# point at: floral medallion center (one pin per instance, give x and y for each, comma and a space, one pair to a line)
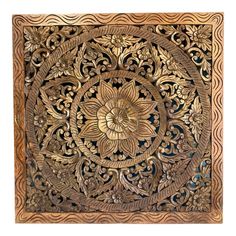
122, 119
118, 119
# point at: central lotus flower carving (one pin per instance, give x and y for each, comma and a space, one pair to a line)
118, 119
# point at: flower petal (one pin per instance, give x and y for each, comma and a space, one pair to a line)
105, 92
111, 104
116, 50
105, 40
145, 130
102, 123
107, 147
90, 130
132, 125
145, 108
124, 134
90, 108
129, 146
102, 112
196, 106
113, 135
129, 91
123, 103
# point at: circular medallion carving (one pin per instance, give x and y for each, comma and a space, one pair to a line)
121, 112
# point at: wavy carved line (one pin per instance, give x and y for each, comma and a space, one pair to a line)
123, 18
121, 218
20, 182
18, 54
217, 115
161, 218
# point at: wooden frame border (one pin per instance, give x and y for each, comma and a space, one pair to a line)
216, 20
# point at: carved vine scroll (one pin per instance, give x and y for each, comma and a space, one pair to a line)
118, 121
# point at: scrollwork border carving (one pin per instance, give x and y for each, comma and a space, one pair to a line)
214, 19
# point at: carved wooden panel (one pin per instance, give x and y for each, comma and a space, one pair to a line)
118, 118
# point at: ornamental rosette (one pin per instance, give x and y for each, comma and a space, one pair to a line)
117, 119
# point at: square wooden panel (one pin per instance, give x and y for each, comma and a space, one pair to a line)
118, 118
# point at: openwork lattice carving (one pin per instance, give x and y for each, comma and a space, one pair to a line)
118, 119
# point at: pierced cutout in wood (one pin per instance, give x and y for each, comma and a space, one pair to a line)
118, 118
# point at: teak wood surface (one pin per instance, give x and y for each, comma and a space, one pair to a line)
118, 118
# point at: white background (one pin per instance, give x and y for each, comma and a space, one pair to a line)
9, 7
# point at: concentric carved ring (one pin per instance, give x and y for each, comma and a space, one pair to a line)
115, 122
99, 110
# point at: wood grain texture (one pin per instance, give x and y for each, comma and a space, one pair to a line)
214, 19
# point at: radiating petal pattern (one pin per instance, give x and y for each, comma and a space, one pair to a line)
105, 92
129, 91
145, 130
107, 147
129, 146
90, 108
145, 108
90, 130
121, 116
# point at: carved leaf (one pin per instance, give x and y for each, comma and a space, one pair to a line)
131, 187
49, 106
